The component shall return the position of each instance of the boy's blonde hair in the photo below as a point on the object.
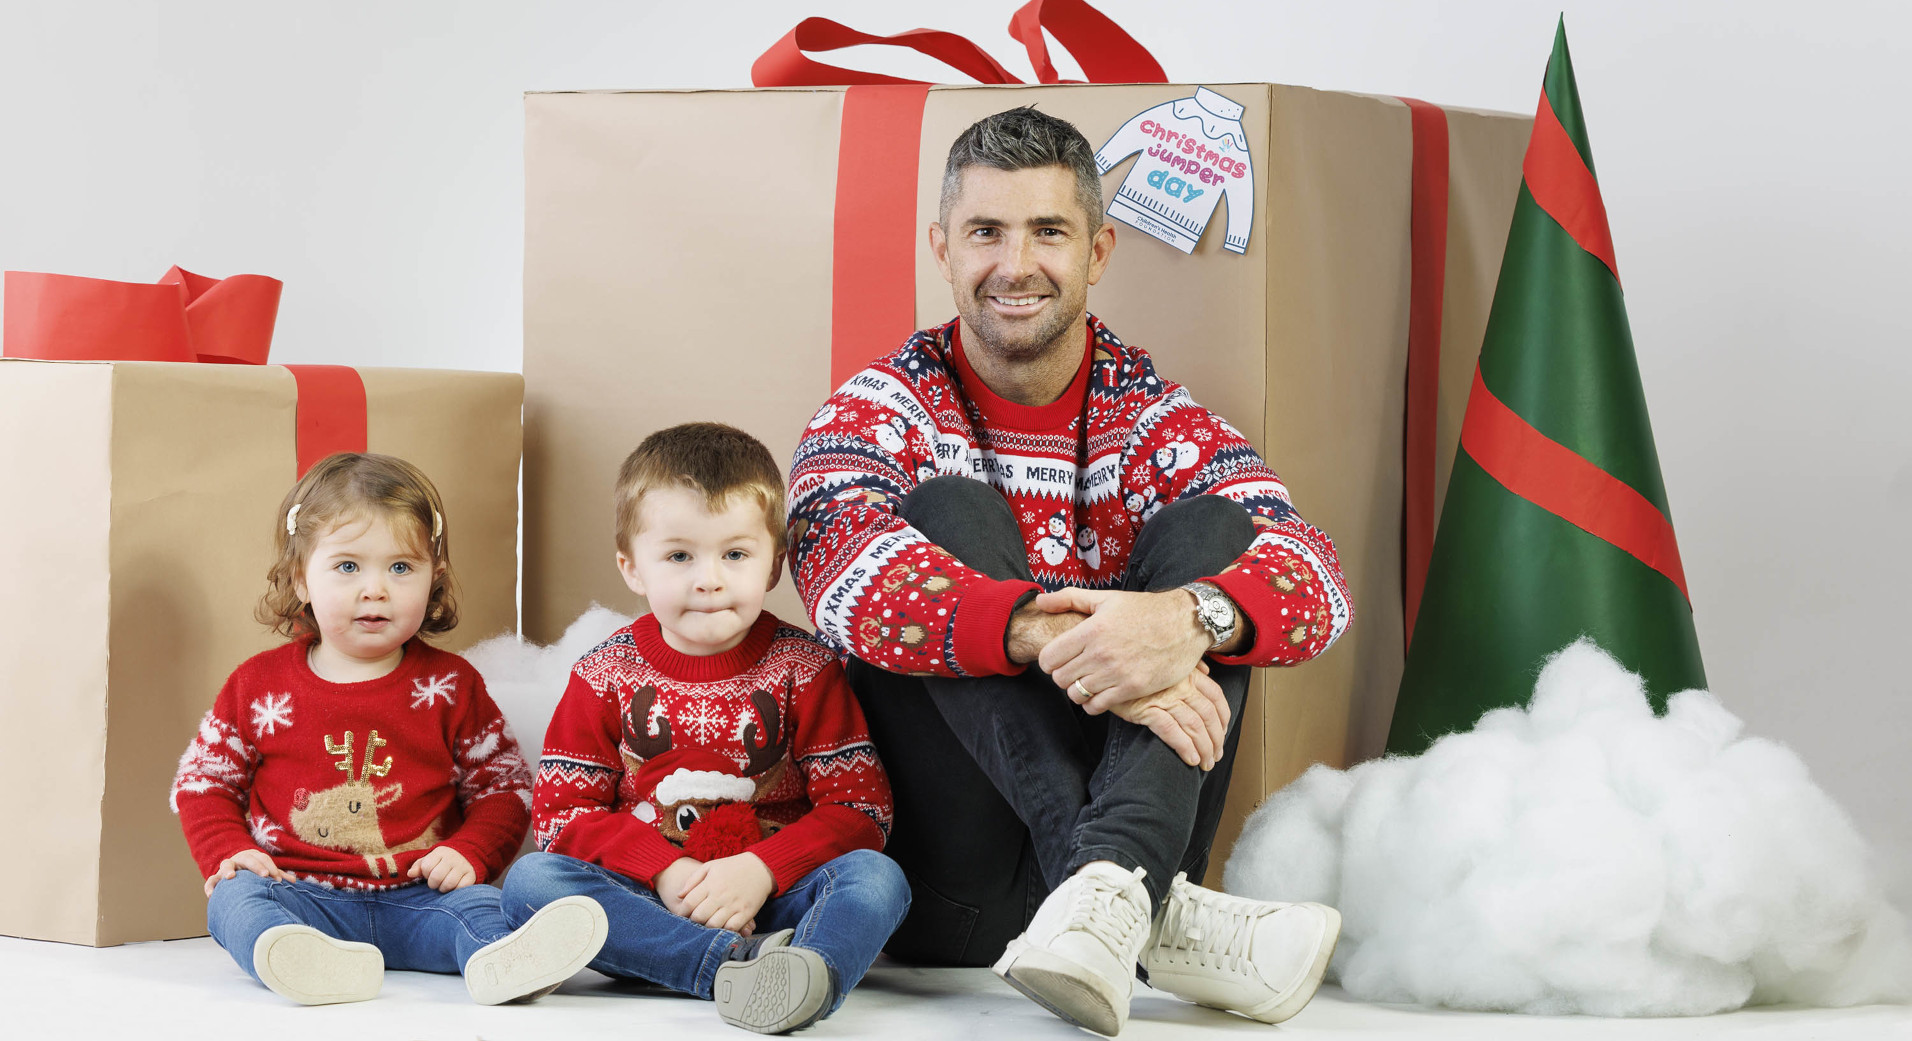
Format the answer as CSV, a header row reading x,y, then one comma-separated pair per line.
x,y
718,460
345,487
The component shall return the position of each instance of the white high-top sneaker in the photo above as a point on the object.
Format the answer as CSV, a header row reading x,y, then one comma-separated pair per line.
x,y
1077,958
1258,957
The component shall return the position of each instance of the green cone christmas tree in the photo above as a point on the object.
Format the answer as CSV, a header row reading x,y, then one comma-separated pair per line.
x,y
1555,523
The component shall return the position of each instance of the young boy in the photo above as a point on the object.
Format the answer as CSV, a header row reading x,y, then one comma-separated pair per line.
x,y
708,777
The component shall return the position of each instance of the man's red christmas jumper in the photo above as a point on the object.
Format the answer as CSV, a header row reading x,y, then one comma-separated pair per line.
x,y
775,707
347,784
1081,474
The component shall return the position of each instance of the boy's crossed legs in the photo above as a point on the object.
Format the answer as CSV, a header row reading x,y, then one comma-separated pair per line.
x,y
811,945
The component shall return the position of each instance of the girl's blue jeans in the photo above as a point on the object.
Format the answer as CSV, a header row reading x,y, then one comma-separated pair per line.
x,y
414,926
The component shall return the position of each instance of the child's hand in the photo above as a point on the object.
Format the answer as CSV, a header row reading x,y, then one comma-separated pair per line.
x,y
673,881
728,893
444,869
252,860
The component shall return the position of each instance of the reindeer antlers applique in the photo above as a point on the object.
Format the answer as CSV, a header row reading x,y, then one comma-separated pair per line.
x,y
345,816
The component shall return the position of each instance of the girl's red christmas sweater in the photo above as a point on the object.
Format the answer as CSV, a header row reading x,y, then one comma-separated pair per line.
x,y
347,784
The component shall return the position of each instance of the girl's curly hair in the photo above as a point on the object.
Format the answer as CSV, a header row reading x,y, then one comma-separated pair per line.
x,y
351,486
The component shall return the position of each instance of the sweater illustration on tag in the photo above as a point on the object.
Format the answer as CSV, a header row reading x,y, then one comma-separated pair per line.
x,y
1194,154
345,816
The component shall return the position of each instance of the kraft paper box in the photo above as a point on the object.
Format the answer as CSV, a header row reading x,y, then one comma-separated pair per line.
x,y
139,508
662,288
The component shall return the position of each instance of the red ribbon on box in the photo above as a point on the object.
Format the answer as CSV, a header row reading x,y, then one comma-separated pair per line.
x,y
874,261
183,317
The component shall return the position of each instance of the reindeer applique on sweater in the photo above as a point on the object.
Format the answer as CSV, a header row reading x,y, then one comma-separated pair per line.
x,y
345,816
761,746
426,757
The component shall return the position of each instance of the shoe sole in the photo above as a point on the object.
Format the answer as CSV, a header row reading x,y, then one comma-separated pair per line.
x,y
1297,1001
311,968
540,955
1057,984
781,990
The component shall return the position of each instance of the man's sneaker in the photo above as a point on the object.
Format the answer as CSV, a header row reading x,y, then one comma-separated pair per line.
x,y
546,950
771,987
1077,958
311,968
1257,957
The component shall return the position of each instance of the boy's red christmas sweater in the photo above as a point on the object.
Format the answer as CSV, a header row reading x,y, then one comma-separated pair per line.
x,y
647,740
347,784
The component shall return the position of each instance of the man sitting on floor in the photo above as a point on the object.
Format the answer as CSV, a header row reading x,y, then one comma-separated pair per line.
x,y
1020,487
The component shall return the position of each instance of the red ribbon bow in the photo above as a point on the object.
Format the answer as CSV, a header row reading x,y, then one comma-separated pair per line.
x,y
181,318
1106,53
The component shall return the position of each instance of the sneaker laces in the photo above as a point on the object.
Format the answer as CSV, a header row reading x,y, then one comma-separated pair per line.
x,y
1207,929
1103,910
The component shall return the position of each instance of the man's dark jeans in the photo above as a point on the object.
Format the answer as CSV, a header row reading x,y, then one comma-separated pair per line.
x,y
1003,786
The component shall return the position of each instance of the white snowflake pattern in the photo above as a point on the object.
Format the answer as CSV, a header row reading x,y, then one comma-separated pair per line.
x,y
1204,435
706,719
270,713
426,692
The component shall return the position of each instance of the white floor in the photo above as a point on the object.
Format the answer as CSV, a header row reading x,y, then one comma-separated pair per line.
x,y
190,988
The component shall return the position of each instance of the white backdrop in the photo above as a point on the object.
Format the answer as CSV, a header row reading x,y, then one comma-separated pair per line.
x,y
1753,158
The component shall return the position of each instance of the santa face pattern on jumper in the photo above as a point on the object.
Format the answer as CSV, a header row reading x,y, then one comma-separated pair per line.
x,y
647,742
347,784
1082,476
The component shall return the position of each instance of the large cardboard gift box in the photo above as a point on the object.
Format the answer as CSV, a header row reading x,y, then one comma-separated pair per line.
x,y
683,251
138,512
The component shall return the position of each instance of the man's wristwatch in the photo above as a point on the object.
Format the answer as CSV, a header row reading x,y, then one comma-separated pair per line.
x,y
1215,611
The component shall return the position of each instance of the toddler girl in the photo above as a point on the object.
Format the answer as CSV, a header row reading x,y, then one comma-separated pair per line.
x,y
349,789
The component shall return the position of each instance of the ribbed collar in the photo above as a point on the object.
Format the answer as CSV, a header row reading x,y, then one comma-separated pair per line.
x,y
1002,413
406,668
702,668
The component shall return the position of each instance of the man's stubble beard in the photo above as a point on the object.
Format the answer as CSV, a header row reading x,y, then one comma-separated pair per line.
x,y
1036,341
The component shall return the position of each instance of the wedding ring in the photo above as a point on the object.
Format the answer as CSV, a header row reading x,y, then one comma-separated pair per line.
x,y
1079,692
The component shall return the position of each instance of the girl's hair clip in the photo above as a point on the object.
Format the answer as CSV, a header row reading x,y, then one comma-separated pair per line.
x,y
292,519
438,525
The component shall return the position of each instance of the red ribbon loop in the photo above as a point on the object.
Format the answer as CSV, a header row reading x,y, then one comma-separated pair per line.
x,y
1106,53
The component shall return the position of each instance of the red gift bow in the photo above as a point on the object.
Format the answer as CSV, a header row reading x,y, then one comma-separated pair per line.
x,y
183,317
1106,53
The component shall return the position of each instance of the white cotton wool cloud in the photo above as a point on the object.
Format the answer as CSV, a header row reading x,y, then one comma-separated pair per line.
x,y
1583,855
526,679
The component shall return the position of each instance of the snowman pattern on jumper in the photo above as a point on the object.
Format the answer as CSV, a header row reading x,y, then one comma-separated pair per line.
x,y
1088,550
1055,546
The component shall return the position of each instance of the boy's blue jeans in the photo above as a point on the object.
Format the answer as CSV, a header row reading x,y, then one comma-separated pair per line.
x,y
415,926
844,911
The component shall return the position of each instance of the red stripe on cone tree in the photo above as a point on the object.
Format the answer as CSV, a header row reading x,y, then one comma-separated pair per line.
x,y
1555,523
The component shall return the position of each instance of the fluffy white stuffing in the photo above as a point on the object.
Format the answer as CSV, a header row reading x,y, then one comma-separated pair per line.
x,y
709,785
526,679
1582,855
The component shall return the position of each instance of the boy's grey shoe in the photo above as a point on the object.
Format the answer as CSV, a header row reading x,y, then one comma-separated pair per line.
x,y
311,968
546,950
1261,958
771,987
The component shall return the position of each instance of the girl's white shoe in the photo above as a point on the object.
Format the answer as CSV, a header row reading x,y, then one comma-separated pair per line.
x,y
311,968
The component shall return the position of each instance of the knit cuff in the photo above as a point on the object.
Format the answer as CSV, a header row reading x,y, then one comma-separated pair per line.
x,y
1260,608
981,627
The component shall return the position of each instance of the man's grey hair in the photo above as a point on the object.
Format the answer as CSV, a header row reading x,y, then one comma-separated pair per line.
x,y
1022,139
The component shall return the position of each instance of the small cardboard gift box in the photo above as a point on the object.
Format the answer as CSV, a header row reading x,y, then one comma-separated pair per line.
x,y
721,255
139,509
